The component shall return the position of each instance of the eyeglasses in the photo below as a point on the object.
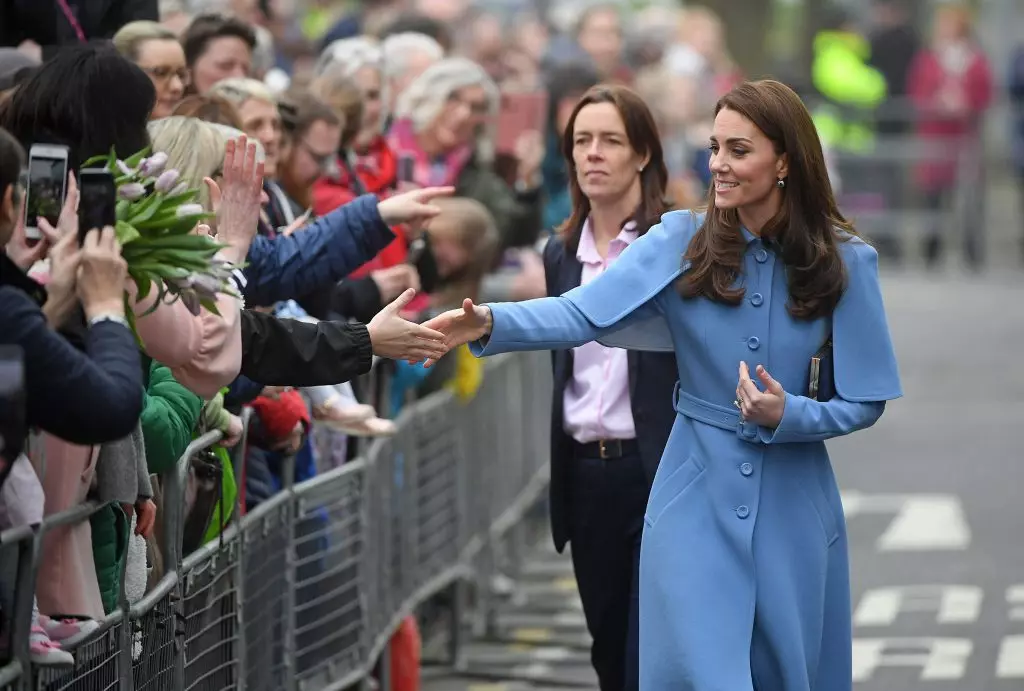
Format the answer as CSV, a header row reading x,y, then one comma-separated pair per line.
x,y
164,73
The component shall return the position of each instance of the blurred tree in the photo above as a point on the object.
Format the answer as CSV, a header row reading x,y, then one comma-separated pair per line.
x,y
747,23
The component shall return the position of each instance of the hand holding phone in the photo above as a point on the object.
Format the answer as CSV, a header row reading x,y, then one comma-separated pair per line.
x,y
47,186
97,206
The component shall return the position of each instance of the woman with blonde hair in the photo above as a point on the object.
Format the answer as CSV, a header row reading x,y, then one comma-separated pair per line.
x,y
257,108
156,50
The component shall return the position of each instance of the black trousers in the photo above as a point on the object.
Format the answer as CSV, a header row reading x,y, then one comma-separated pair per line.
x,y
607,500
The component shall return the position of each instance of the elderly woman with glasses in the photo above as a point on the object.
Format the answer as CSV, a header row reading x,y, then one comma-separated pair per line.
x,y
443,122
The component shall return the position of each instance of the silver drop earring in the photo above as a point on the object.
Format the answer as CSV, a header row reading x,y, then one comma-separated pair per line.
x,y
781,183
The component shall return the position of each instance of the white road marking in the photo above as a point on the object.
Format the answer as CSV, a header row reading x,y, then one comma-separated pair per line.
x,y
1010,664
922,521
1015,598
938,658
952,603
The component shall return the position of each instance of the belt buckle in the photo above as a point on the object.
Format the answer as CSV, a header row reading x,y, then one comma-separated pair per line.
x,y
604,450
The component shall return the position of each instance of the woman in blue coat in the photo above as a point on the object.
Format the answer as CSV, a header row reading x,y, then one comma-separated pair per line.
x,y
744,572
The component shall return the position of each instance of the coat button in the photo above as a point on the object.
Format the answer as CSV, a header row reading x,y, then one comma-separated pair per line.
x,y
746,469
742,511
753,343
757,299
761,256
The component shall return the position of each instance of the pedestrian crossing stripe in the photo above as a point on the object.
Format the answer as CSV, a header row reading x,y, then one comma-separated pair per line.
x,y
921,522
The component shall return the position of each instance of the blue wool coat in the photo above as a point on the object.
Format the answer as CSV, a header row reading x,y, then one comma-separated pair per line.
x,y
744,573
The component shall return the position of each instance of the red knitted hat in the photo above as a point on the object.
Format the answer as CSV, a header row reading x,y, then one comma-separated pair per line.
x,y
280,414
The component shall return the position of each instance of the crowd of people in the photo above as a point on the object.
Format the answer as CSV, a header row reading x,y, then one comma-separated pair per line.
x,y
370,170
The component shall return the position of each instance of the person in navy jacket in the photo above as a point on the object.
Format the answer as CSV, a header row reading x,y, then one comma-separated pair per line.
x,y
612,409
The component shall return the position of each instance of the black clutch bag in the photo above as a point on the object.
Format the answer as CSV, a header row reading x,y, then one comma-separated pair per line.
x,y
821,384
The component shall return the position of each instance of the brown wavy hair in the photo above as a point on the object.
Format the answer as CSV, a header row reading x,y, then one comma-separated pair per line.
x,y
643,136
807,228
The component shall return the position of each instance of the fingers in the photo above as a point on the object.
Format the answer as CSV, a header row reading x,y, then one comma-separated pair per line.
x,y
401,301
249,165
769,383
214,189
50,234
72,197
468,307
425,194
425,333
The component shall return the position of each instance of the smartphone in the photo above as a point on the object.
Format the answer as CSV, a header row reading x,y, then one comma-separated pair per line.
x,y
406,165
97,202
47,185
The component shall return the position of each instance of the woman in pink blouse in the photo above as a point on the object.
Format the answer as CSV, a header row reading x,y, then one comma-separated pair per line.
x,y
612,409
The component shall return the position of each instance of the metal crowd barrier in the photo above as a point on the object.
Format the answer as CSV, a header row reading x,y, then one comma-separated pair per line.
x,y
883,191
304,592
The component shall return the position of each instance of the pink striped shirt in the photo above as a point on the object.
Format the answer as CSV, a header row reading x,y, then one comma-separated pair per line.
x,y
596,399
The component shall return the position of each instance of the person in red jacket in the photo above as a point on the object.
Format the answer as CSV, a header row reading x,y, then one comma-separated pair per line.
x,y
950,84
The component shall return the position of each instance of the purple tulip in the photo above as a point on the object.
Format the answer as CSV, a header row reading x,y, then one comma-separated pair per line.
x,y
131,191
186,210
167,180
153,165
191,302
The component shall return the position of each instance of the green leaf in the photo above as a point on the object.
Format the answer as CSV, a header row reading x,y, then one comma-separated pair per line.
x,y
89,163
146,210
142,282
161,290
126,233
135,159
210,306
186,197
112,160
121,212
129,315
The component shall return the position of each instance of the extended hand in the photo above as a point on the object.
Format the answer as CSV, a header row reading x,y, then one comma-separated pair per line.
x,y
237,200
412,207
459,326
762,408
395,338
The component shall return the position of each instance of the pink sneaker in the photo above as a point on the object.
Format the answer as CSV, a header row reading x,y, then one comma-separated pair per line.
x,y
43,651
68,632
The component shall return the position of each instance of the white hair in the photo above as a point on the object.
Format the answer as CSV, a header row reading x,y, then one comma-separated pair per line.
x,y
263,54
399,48
426,97
354,54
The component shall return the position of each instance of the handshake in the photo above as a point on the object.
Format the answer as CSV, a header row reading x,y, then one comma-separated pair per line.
x,y
398,339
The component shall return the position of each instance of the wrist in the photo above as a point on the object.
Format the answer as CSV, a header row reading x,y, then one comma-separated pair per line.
x,y
488,321
104,308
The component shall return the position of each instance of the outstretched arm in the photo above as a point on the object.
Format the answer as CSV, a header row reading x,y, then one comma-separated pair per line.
x,y
552,323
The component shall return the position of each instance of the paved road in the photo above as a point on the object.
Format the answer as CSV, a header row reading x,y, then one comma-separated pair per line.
x,y
933,495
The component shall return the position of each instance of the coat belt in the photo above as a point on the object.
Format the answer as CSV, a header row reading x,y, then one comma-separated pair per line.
x,y
688,405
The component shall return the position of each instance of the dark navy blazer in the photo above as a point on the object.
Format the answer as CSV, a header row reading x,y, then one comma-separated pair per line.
x,y
652,378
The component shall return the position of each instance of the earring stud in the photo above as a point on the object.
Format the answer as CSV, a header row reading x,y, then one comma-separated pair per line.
x,y
781,183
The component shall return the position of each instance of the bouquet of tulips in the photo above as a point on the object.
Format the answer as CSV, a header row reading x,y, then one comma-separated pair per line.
x,y
156,217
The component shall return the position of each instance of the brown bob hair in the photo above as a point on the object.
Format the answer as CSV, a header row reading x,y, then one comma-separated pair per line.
x,y
644,138
808,227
